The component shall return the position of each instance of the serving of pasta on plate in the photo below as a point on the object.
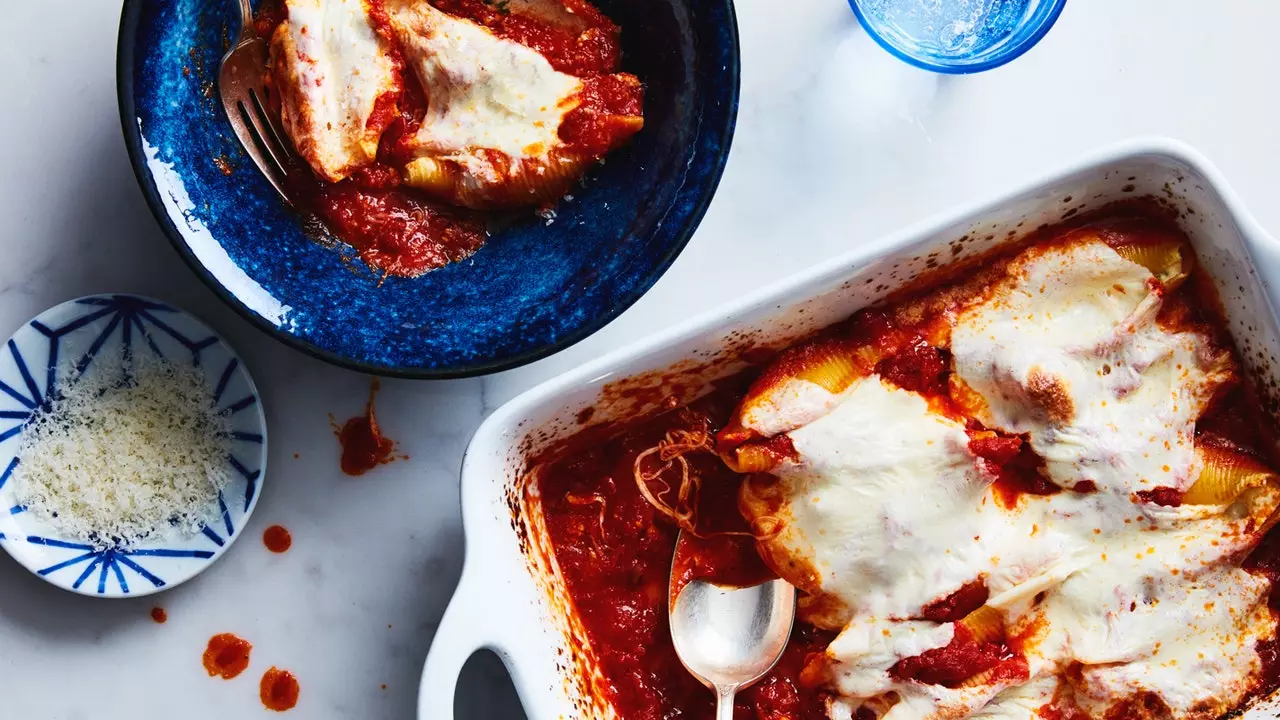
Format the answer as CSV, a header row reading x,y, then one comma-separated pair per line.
x,y
415,118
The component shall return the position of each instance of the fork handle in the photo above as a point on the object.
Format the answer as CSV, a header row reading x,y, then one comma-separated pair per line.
x,y
246,20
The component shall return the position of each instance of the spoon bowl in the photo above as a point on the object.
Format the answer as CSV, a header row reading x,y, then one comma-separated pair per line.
x,y
729,637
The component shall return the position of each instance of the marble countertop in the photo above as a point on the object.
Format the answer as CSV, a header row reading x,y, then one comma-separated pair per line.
x,y
837,143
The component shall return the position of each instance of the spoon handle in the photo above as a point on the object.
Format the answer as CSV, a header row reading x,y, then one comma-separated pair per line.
x,y
724,701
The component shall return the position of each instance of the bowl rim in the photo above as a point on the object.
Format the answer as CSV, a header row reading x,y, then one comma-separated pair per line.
x,y
125,54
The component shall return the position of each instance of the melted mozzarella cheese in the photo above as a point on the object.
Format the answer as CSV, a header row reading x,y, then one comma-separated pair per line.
x,y
865,651
483,92
1070,352
330,68
876,500
1191,644
884,510
1019,702
789,405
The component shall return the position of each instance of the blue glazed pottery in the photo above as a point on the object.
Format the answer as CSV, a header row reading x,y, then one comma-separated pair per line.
x,y
69,341
536,287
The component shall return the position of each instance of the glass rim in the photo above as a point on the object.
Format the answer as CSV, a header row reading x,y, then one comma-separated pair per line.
x,y
1032,37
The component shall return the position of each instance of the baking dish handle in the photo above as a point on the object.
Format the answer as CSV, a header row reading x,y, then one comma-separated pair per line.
x,y
465,628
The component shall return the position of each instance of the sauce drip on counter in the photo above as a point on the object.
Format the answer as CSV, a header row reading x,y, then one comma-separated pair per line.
x,y
277,539
278,689
159,615
226,656
363,445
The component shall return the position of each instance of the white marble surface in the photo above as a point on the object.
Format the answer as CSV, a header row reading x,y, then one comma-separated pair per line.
x,y
836,144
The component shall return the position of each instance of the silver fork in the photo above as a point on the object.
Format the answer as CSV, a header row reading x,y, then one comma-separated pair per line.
x,y
241,83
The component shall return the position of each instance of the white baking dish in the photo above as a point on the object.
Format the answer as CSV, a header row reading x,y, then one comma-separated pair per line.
x,y
509,598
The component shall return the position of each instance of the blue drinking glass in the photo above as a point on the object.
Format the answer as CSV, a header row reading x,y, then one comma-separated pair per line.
x,y
957,36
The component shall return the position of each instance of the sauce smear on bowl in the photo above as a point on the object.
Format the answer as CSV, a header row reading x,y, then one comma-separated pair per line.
x,y
396,232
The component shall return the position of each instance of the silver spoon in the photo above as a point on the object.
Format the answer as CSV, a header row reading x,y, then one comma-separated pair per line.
x,y
729,638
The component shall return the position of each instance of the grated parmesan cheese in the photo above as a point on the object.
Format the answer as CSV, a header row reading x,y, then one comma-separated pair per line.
x,y
112,463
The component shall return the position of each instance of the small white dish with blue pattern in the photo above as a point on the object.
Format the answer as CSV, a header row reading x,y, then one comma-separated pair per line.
x,y
70,337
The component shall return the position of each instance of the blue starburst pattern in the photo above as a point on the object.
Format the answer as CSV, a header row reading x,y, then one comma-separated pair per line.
x,y
64,342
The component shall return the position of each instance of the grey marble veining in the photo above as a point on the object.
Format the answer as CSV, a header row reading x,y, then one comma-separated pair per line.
x,y
837,143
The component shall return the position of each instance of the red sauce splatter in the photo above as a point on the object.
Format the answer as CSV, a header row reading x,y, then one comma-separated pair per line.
x,y
277,538
363,445
159,615
278,689
226,656
1085,487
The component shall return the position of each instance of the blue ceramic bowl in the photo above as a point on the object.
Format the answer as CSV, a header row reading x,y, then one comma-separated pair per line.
x,y
533,289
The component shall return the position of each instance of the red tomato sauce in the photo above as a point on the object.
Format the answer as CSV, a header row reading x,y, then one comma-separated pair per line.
x,y
270,14
962,658
278,690
606,115
918,367
616,551
226,656
594,51
159,615
726,553
395,230
363,445
957,605
1165,496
